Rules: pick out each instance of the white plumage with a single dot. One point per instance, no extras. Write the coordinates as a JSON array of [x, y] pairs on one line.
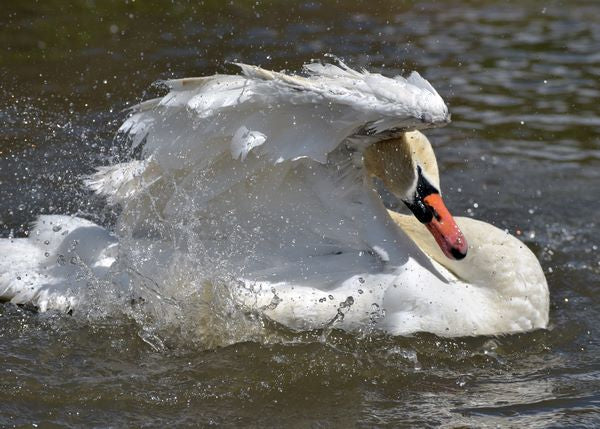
[[258, 179], [52, 268], [284, 117]]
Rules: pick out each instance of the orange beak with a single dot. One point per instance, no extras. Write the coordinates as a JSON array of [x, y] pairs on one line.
[[444, 229]]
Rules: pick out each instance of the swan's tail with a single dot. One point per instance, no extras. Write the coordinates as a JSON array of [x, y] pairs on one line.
[[50, 268]]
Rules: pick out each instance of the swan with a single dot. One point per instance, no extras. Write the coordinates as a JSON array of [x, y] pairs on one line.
[[267, 180]]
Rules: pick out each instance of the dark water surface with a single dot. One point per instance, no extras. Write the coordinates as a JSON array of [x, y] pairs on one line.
[[523, 152]]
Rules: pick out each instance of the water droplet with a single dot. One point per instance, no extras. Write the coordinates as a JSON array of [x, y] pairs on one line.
[[74, 245], [347, 303]]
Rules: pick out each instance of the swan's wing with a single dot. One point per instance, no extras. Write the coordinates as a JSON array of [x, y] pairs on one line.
[[284, 117], [277, 116]]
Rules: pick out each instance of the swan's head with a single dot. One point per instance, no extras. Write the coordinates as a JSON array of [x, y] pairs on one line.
[[408, 168]]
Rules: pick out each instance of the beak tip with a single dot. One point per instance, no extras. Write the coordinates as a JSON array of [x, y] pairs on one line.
[[458, 254]]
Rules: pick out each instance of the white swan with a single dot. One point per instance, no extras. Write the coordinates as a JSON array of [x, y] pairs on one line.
[[265, 180]]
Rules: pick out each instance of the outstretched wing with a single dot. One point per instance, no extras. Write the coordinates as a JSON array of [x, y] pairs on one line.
[[276, 116], [284, 116]]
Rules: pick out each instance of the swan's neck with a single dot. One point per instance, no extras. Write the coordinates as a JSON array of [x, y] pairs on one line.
[[501, 271]]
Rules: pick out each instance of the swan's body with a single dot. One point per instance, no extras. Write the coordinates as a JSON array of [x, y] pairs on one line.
[[265, 179]]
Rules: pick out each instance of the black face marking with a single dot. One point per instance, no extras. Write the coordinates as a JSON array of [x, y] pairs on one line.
[[422, 211], [424, 188]]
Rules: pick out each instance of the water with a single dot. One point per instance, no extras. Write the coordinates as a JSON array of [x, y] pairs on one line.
[[523, 152]]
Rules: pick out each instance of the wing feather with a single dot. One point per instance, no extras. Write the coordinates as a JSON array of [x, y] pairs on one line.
[[275, 116]]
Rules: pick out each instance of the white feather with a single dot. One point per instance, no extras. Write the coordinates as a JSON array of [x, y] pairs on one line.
[[121, 181], [275, 115]]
